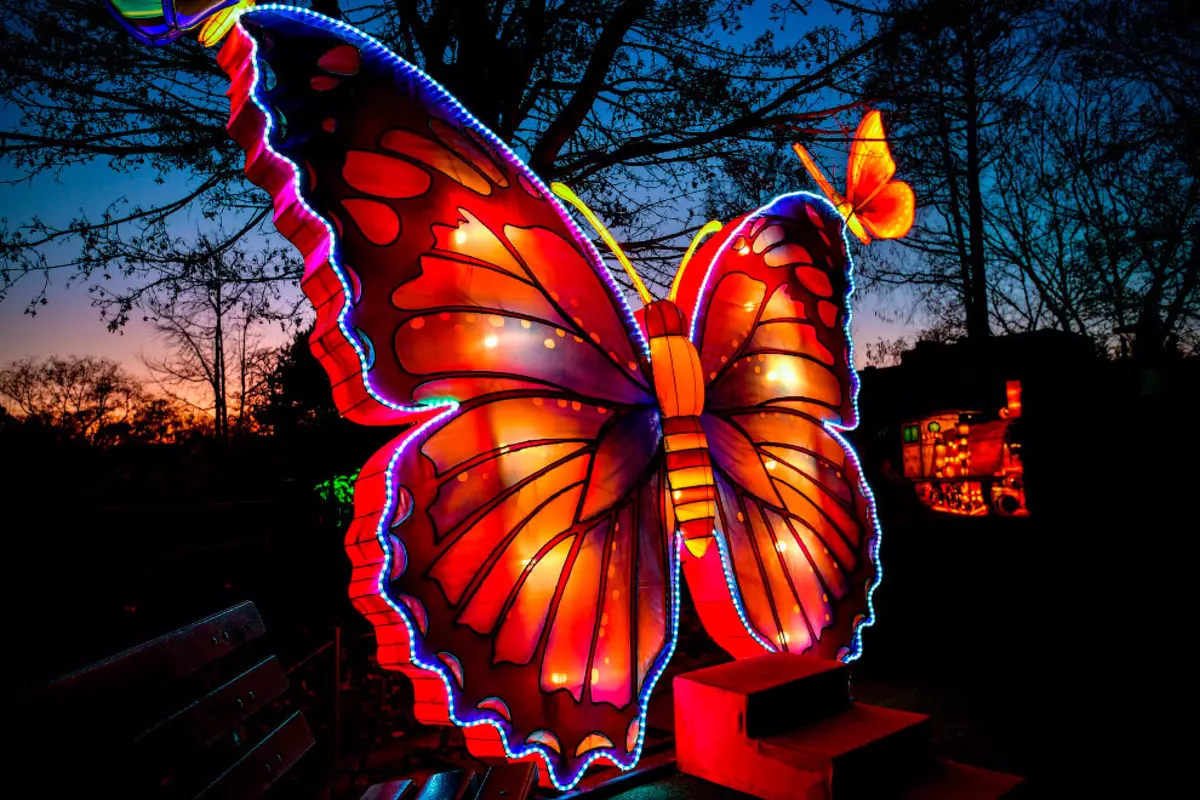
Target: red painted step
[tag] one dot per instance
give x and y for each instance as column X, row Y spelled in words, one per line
column 767, row 694
column 782, row 726
column 950, row 781
column 865, row 751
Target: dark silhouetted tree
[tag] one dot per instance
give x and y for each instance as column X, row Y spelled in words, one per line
column 956, row 77
column 647, row 107
column 79, row 395
column 210, row 317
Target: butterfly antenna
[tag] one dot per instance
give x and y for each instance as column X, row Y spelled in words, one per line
column 817, row 174
column 216, row 26
column 710, row 227
column 563, row 191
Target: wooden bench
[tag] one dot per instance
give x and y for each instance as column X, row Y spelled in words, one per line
column 192, row 714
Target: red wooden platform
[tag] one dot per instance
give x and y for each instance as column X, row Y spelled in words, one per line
column 784, row 726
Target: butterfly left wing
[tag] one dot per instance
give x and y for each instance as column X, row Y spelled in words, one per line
column 512, row 549
column 799, row 533
column 885, row 207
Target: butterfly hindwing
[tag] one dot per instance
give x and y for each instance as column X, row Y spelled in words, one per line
column 531, row 578
column 452, row 288
column 799, row 531
column 890, row 213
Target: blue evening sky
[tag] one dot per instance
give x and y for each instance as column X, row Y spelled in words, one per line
column 70, row 324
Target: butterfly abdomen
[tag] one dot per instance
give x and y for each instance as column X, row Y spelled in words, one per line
column 679, row 386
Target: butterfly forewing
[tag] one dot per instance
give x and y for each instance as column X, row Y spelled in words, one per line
column 516, row 545
column 884, row 206
column 457, row 260
column 799, row 531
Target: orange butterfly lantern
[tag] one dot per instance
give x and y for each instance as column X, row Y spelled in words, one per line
column 562, row 462
column 873, row 201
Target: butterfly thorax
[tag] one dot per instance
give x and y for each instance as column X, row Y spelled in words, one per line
column 679, row 386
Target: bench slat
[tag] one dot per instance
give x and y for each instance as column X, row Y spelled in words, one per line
column 509, row 782
column 195, row 727
column 392, row 790
column 256, row 771
column 169, row 657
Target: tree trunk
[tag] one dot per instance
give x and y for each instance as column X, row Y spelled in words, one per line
column 977, row 301
column 220, row 410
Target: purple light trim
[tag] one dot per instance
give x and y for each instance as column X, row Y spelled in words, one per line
column 735, row 592
column 835, row 430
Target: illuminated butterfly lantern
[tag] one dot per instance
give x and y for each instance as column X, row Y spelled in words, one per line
column 519, row 546
column 873, row 201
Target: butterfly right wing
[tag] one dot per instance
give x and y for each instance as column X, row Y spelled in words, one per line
column 798, row 530
column 871, row 164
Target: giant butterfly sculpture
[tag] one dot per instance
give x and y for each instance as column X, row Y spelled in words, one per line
column 519, row 546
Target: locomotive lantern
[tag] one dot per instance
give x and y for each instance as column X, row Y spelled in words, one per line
column 967, row 462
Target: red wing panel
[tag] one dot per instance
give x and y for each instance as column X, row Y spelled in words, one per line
column 770, row 314
column 434, row 232
column 798, row 523
column 890, row 213
column 564, row 619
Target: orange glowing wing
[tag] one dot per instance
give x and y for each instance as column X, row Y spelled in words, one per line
column 799, row 533
column 885, row 207
column 890, row 213
column 512, row 548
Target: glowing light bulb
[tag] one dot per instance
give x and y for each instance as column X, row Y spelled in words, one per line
column 490, row 341
column 781, row 547
column 772, row 376
column 460, row 236
column 770, row 464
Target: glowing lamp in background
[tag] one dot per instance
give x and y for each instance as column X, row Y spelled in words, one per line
column 966, row 462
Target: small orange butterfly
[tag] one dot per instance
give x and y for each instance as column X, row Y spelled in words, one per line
column 873, row 201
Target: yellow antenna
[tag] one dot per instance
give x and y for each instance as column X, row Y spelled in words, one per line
column 710, row 227
column 566, row 194
column 218, row 24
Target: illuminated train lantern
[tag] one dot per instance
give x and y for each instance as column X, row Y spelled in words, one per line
column 966, row 462
column 563, row 460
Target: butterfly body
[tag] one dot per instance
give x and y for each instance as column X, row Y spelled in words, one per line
column 519, row 549
column 679, row 387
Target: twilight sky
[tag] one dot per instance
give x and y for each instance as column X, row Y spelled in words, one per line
column 69, row 324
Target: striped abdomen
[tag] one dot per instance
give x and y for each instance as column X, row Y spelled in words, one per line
column 679, row 384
